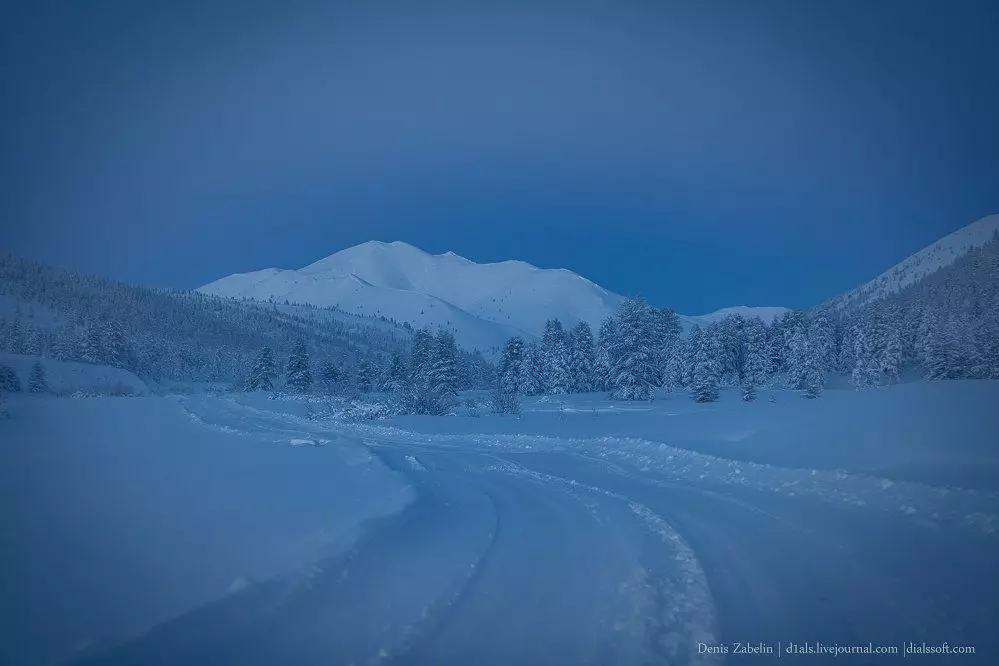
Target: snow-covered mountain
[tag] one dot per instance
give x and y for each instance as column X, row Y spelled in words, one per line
column 483, row 303
column 927, row 261
column 767, row 314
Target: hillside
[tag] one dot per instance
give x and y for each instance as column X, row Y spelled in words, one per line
column 46, row 311
column 922, row 264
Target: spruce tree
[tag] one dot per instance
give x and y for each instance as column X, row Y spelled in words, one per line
column 263, row 371
column 601, row 360
column 631, row 355
column 581, row 358
column 555, row 359
column 444, row 386
column 866, row 370
column 328, row 376
column 754, row 371
column 506, row 399
column 707, row 367
column 365, row 376
column 891, row 359
column 9, row 382
column 396, row 373
column 532, row 378
column 813, row 376
column 299, row 376
column 36, row 381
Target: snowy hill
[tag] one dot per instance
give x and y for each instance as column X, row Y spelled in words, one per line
column 927, row 261
column 483, row 303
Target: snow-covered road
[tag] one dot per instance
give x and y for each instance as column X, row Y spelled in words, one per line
column 564, row 556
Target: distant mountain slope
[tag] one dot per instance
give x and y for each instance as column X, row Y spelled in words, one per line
column 404, row 283
column 50, row 312
column 766, row 314
column 918, row 266
column 483, row 303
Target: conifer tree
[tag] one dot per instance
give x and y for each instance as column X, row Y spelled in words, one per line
column 263, row 371
column 365, row 376
column 299, row 376
column 754, row 371
column 9, row 381
column 36, row 381
column 328, row 376
column 601, row 360
column 706, row 371
column 866, row 370
column 555, row 359
column 631, row 357
column 581, row 358
column 506, row 399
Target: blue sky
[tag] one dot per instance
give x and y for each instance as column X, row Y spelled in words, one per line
column 700, row 154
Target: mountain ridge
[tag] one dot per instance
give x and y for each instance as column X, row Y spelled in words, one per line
column 920, row 264
column 403, row 282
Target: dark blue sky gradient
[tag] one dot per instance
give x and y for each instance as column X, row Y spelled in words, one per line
column 702, row 154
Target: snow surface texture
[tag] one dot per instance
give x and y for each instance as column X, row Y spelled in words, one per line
column 541, row 539
column 121, row 513
column 81, row 379
column 930, row 259
column 485, row 304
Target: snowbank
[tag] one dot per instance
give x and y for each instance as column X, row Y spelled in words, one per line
column 120, row 514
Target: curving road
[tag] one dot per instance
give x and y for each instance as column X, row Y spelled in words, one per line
column 552, row 558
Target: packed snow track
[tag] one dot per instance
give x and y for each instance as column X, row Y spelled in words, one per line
column 567, row 556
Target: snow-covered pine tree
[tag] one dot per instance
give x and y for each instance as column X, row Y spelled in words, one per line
column 730, row 333
column 93, row 344
column 299, row 376
column 666, row 340
column 867, row 370
column 821, row 334
column 601, row 360
column 36, row 381
column 707, row 366
column 328, row 377
column 690, row 354
column 9, row 382
column 890, row 352
column 581, row 358
column 796, row 351
column 754, row 372
column 555, row 359
column 506, row 399
column 531, row 379
column 444, row 385
column 813, row 377
column 396, row 373
column 263, row 371
column 632, row 360
column 365, row 375
column 116, row 351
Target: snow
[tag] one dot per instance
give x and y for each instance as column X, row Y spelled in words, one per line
column 582, row 531
column 121, row 513
column 484, row 304
column 930, row 259
column 67, row 378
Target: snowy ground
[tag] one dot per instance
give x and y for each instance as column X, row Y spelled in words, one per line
column 120, row 513
column 581, row 532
